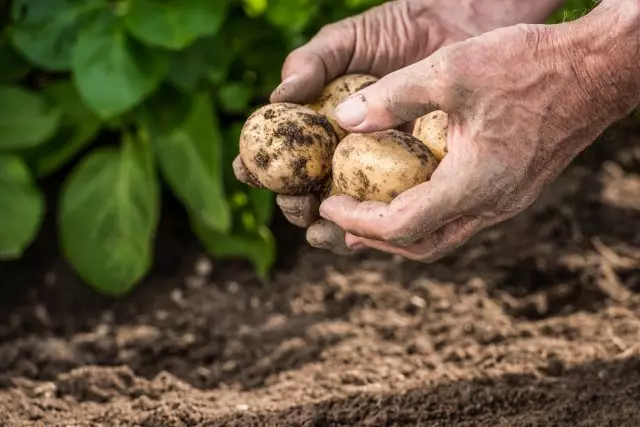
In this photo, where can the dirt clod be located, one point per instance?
(534, 323)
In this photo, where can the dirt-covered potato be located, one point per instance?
(288, 148)
(432, 130)
(337, 91)
(380, 165)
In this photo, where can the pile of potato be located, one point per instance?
(299, 149)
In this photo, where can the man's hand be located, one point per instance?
(522, 102)
(378, 42)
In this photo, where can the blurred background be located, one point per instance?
(122, 101)
(119, 120)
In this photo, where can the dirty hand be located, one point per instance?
(522, 101)
(377, 42)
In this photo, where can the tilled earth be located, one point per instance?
(534, 323)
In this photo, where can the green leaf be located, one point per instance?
(235, 97)
(292, 17)
(174, 24)
(190, 158)
(108, 216)
(262, 204)
(13, 66)
(207, 57)
(166, 109)
(259, 248)
(79, 128)
(359, 4)
(255, 8)
(65, 94)
(46, 30)
(571, 10)
(26, 119)
(113, 72)
(22, 207)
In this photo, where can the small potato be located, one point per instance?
(288, 148)
(337, 91)
(432, 130)
(380, 165)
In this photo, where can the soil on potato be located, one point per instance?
(534, 323)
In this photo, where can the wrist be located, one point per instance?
(604, 49)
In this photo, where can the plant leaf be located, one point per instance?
(174, 24)
(166, 109)
(46, 30)
(13, 66)
(259, 248)
(22, 207)
(26, 120)
(235, 97)
(262, 205)
(292, 17)
(79, 128)
(108, 216)
(113, 72)
(207, 57)
(190, 158)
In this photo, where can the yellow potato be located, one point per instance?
(337, 91)
(380, 165)
(432, 130)
(287, 148)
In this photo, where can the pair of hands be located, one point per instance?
(522, 99)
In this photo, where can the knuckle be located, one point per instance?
(396, 234)
(334, 29)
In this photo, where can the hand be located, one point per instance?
(372, 43)
(522, 102)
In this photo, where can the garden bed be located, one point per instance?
(534, 323)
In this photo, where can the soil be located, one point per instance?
(534, 323)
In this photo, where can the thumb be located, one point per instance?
(399, 97)
(308, 68)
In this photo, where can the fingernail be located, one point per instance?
(287, 81)
(353, 111)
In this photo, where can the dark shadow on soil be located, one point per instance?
(43, 275)
(242, 331)
(602, 393)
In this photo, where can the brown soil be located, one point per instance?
(535, 323)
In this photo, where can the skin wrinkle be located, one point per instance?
(529, 149)
(348, 51)
(512, 191)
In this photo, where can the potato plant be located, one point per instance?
(123, 97)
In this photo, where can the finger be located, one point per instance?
(243, 175)
(400, 97)
(412, 214)
(434, 246)
(326, 235)
(301, 211)
(307, 69)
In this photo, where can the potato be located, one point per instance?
(378, 166)
(287, 148)
(432, 130)
(337, 91)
